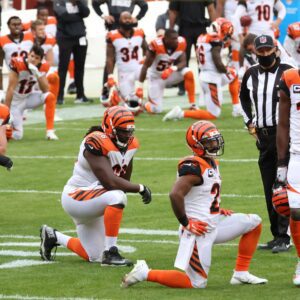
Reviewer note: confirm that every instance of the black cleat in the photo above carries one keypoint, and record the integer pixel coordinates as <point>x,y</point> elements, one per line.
<point>112,257</point>
<point>281,246</point>
<point>48,242</point>
<point>72,88</point>
<point>269,245</point>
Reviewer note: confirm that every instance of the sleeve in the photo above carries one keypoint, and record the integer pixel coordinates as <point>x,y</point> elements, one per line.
<point>283,86</point>
<point>245,99</point>
<point>93,145</point>
<point>216,43</point>
<point>108,38</point>
<point>62,14</point>
<point>96,6</point>
<point>160,24</point>
<point>189,167</point>
<point>84,11</point>
<point>280,9</point>
<point>143,9</point>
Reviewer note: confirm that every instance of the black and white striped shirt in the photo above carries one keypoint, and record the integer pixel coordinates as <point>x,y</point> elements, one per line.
<point>259,94</point>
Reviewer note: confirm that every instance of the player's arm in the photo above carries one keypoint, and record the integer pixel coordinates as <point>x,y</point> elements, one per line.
<point>212,11</point>
<point>241,10</point>
<point>281,13</point>
<point>173,13</point>
<point>110,57</point>
<point>216,56</point>
<point>13,79</point>
<point>43,83</point>
<point>220,8</point>
<point>144,46</point>
<point>143,5</point>
<point>150,56</point>
<point>50,57</point>
<point>1,67</point>
<point>181,62</point>
<point>3,140</point>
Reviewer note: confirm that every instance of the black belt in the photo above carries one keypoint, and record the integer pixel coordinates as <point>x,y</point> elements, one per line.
<point>267,130</point>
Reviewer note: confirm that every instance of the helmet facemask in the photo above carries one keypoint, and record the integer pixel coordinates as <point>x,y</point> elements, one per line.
<point>213,146</point>
<point>123,136</point>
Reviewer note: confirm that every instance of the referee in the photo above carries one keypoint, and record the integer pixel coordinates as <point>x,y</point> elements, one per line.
<point>259,100</point>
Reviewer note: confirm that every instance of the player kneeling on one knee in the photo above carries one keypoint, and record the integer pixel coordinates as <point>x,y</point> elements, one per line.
<point>94,197</point>
<point>195,199</point>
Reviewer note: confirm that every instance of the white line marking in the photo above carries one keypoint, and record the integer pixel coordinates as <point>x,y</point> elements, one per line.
<point>225,160</point>
<point>19,297</point>
<point>137,195</point>
<point>20,263</point>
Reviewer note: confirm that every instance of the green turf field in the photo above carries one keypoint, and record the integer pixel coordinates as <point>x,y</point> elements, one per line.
<point>30,196</point>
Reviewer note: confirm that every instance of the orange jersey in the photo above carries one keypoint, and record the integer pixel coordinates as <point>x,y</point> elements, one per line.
<point>47,44</point>
<point>50,27</point>
<point>202,201</point>
<point>14,48</point>
<point>164,58</point>
<point>127,50</point>
<point>26,79</point>
<point>99,144</point>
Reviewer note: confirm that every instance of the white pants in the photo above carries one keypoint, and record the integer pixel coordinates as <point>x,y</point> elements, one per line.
<point>87,213</point>
<point>18,105</point>
<point>228,228</point>
<point>127,81</point>
<point>293,179</point>
<point>156,86</point>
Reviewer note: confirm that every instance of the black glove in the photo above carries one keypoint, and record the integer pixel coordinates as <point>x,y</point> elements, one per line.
<point>6,162</point>
<point>146,195</point>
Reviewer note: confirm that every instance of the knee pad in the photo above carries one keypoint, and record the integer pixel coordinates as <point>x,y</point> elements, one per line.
<point>120,197</point>
<point>187,72</point>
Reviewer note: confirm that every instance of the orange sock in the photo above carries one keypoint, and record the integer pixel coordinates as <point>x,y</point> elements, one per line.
<point>295,233</point>
<point>71,69</point>
<point>75,246</point>
<point>247,247</point>
<point>50,103</point>
<point>170,278</point>
<point>53,81</point>
<point>234,91</point>
<point>198,114</point>
<point>189,85</point>
<point>112,220</point>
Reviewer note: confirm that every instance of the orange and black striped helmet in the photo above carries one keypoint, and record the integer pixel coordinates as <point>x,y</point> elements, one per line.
<point>118,124</point>
<point>4,114</point>
<point>280,201</point>
<point>204,139</point>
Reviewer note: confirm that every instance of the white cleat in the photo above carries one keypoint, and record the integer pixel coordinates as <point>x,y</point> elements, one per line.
<point>296,279</point>
<point>174,114</point>
<point>236,110</point>
<point>51,136</point>
<point>246,278</point>
<point>137,274</point>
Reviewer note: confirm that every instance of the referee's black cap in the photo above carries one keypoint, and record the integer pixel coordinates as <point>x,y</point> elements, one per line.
<point>264,41</point>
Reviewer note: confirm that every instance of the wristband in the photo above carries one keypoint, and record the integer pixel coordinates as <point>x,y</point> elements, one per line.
<point>184,221</point>
<point>140,84</point>
<point>174,68</point>
<point>110,76</point>
<point>142,188</point>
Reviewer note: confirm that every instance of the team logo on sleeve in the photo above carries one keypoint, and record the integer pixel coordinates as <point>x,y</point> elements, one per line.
<point>296,88</point>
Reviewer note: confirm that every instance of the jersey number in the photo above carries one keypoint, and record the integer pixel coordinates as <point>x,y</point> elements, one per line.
<point>162,65</point>
<point>119,171</point>
<point>264,12</point>
<point>21,54</point>
<point>201,55</point>
<point>127,55</point>
<point>25,86</point>
<point>215,191</point>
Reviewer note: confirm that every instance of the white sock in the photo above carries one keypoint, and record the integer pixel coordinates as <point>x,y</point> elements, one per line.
<point>110,241</point>
<point>240,273</point>
<point>62,239</point>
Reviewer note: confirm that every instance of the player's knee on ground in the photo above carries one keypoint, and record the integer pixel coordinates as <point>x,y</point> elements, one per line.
<point>154,109</point>
<point>17,134</point>
<point>199,283</point>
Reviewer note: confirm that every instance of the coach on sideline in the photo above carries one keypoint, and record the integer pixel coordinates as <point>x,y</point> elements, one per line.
<point>259,92</point>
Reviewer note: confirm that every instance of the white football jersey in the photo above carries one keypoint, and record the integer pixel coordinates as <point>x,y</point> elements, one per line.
<point>203,201</point>
<point>100,144</point>
<point>127,50</point>
<point>292,41</point>
<point>230,7</point>
<point>163,57</point>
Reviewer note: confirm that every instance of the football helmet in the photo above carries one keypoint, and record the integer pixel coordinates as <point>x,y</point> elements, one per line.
<point>4,114</point>
<point>134,104</point>
<point>280,200</point>
<point>118,124</point>
<point>222,27</point>
<point>204,139</point>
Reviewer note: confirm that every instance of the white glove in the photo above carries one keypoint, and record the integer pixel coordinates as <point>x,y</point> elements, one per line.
<point>281,174</point>
<point>35,71</point>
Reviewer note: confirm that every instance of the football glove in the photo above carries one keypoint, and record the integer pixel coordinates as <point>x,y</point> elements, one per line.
<point>110,81</point>
<point>226,212</point>
<point>166,73</point>
<point>35,71</point>
<point>6,162</point>
<point>145,192</point>
<point>197,227</point>
<point>281,176</point>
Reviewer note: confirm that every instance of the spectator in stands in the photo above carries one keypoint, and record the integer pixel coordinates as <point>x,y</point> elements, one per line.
<point>111,21</point>
<point>192,23</point>
<point>71,38</point>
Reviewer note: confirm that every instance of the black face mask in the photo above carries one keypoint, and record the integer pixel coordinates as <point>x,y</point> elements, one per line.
<point>127,26</point>
<point>266,61</point>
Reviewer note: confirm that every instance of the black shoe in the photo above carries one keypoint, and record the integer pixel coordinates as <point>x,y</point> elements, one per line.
<point>48,242</point>
<point>281,246</point>
<point>84,99</point>
<point>60,101</point>
<point>268,246</point>
<point>181,92</point>
<point>112,257</point>
<point>72,88</point>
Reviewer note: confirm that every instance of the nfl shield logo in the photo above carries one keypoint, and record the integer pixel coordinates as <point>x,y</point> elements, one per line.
<point>263,39</point>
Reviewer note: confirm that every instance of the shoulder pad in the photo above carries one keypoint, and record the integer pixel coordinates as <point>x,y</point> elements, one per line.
<point>134,144</point>
<point>98,143</point>
<point>192,165</point>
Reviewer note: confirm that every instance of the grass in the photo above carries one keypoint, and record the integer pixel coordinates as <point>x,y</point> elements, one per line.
<point>23,213</point>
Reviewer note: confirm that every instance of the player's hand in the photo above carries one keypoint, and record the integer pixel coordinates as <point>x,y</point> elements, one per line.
<point>139,92</point>
<point>166,73</point>
<point>110,81</point>
<point>34,70</point>
<point>145,192</point>
<point>109,19</point>
<point>6,162</point>
<point>281,175</point>
<point>226,212</point>
<point>8,131</point>
<point>197,227</point>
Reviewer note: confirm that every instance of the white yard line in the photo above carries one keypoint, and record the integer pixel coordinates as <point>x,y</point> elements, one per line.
<point>21,263</point>
<point>27,297</point>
